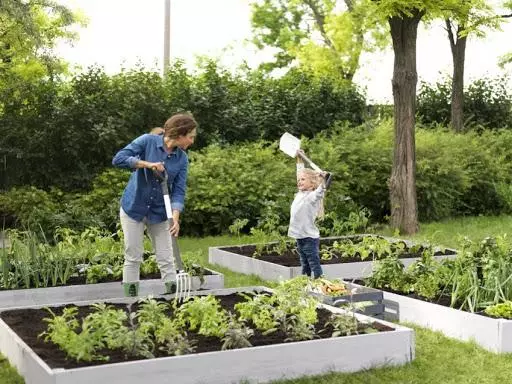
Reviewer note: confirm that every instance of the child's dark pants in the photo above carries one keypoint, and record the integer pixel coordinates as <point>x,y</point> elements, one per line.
<point>309,252</point>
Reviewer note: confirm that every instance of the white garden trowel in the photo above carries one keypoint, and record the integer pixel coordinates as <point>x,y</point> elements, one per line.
<point>290,145</point>
<point>183,278</point>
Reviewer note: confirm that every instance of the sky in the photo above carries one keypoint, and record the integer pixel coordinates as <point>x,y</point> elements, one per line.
<point>122,33</point>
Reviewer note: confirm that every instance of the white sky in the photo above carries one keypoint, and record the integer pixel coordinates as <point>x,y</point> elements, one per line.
<point>121,33</point>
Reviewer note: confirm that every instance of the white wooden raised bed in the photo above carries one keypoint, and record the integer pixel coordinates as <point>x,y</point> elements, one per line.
<point>275,272</point>
<point>492,334</point>
<point>72,293</point>
<point>255,364</point>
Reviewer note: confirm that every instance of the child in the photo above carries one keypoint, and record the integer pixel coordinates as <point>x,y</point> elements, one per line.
<point>306,207</point>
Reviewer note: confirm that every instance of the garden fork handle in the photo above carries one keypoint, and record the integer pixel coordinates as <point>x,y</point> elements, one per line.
<point>168,211</point>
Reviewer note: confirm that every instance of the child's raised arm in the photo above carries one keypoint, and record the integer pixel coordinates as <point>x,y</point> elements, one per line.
<point>300,162</point>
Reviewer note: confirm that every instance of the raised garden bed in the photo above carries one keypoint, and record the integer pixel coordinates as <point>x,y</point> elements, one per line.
<point>269,358</point>
<point>283,266</point>
<point>493,334</point>
<point>98,291</point>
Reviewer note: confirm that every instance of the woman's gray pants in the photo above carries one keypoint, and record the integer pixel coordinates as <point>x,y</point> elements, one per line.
<point>134,247</point>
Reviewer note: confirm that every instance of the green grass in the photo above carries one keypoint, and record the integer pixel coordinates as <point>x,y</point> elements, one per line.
<point>8,375</point>
<point>439,360</point>
<point>448,232</point>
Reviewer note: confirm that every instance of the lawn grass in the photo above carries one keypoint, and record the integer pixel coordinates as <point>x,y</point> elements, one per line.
<point>439,360</point>
<point>8,375</point>
<point>448,232</point>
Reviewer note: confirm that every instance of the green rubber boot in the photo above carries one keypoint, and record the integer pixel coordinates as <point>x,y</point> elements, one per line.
<point>131,289</point>
<point>170,287</point>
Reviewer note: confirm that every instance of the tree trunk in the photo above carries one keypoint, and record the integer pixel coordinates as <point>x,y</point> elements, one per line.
<point>402,184</point>
<point>458,48</point>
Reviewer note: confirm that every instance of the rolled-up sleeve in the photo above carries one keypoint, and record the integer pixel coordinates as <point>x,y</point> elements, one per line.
<point>129,155</point>
<point>179,188</point>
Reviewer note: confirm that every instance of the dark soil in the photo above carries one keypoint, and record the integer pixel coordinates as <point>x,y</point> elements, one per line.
<point>28,324</point>
<point>290,258</point>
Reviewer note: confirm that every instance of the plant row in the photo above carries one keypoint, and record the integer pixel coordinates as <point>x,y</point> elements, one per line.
<point>158,328</point>
<point>478,279</point>
<point>89,257</point>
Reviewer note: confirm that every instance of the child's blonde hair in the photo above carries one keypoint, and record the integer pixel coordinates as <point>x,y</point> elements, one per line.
<point>316,179</point>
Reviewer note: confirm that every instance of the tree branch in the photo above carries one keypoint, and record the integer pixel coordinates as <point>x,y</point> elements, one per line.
<point>451,37</point>
<point>320,21</point>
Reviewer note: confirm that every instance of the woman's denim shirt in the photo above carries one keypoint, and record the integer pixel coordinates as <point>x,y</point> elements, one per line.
<point>143,196</point>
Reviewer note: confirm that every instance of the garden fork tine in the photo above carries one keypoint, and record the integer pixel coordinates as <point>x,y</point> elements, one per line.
<point>183,278</point>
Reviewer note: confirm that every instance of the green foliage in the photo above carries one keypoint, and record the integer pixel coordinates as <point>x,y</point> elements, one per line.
<point>293,29</point>
<point>487,103</point>
<point>363,247</point>
<point>389,273</point>
<point>232,183</point>
<point>101,329</point>
<point>343,325</point>
<point>204,315</point>
<point>254,183</point>
<point>501,310</point>
<point>42,123</point>
<point>259,310</point>
<point>174,339</point>
<point>237,335</point>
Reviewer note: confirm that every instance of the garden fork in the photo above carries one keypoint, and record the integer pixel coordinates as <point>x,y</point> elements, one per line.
<point>183,278</point>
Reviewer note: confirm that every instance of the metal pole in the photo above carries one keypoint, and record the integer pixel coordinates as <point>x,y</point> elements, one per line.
<point>167,34</point>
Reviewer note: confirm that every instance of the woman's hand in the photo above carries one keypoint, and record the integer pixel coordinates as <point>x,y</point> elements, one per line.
<point>175,229</point>
<point>156,166</point>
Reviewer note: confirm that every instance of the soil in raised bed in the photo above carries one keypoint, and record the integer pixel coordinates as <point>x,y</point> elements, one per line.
<point>28,324</point>
<point>290,258</point>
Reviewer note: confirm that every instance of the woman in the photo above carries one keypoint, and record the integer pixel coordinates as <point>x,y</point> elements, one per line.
<point>142,203</point>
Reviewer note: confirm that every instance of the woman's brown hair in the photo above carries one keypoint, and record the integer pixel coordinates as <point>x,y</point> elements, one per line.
<point>178,125</point>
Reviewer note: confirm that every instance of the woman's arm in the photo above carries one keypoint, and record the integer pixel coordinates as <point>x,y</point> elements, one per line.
<point>130,156</point>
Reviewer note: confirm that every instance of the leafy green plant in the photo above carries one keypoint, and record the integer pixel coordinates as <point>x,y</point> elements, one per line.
<point>97,272</point>
<point>343,325</point>
<point>425,279</point>
<point>192,264</point>
<point>149,266</point>
<point>389,273</point>
<point>237,334</point>
<point>100,329</point>
<point>500,310</point>
<point>259,310</point>
<point>173,338</point>
<point>137,340</point>
<point>298,329</point>
<point>204,314</point>
<point>237,226</point>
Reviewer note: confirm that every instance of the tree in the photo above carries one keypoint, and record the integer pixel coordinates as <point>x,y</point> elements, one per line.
<point>470,17</point>
<point>318,34</point>
<point>28,31</point>
<point>404,17</point>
